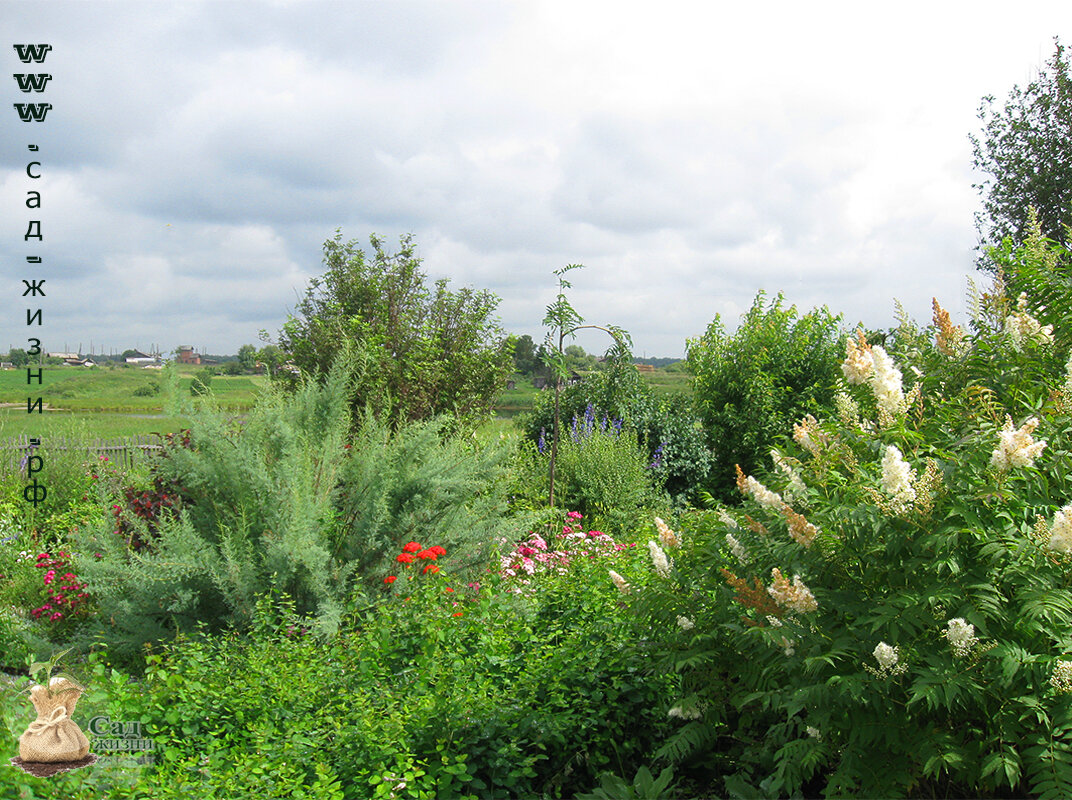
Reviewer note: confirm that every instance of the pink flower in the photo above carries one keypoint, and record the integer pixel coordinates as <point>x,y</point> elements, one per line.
<point>57,615</point>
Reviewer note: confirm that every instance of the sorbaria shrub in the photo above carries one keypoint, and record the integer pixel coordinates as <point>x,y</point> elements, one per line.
<point>751,385</point>
<point>889,612</point>
<point>287,499</point>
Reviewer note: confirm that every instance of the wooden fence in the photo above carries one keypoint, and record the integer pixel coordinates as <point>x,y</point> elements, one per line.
<point>121,451</point>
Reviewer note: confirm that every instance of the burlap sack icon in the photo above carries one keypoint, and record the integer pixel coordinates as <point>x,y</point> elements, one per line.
<point>54,736</point>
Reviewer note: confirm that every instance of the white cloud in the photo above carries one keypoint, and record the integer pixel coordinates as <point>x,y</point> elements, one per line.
<point>199,154</point>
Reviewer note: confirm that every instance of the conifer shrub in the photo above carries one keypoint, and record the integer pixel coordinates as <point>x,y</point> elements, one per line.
<point>889,612</point>
<point>286,499</point>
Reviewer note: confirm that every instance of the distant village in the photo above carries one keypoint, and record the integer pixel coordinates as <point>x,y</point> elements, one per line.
<point>270,359</point>
<point>185,354</point>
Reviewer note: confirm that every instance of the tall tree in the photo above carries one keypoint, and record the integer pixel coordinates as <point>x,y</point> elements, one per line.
<point>420,350</point>
<point>524,354</point>
<point>1025,149</point>
<point>247,357</point>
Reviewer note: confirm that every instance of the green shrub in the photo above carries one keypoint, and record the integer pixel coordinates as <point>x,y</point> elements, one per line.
<point>897,620</point>
<point>666,427</point>
<point>602,472</point>
<point>72,481</point>
<point>752,385</point>
<point>422,350</point>
<point>444,690</point>
<point>285,501</point>
<point>200,386</point>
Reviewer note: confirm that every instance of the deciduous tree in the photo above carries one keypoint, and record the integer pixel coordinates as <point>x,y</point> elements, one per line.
<point>421,350</point>
<point>1025,150</point>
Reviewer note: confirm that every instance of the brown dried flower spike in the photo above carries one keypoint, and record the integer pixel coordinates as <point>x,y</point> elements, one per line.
<point>754,596</point>
<point>949,336</point>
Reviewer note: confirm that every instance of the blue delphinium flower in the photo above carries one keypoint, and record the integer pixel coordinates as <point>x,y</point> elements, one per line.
<point>657,460</point>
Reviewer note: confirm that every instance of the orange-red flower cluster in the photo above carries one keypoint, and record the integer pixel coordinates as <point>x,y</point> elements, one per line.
<point>413,551</point>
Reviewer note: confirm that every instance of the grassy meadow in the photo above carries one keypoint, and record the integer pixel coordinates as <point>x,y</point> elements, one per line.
<point>103,402</point>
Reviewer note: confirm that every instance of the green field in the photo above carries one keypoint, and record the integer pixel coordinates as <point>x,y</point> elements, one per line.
<point>84,424</point>
<point>101,401</point>
<point>105,389</point>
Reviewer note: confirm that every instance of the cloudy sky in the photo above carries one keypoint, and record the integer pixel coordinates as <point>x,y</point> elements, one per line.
<point>688,153</point>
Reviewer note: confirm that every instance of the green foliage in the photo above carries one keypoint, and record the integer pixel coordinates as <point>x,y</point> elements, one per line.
<point>1040,268</point>
<point>202,382</point>
<point>932,663</point>
<point>285,501</point>
<point>752,385</point>
<point>420,351</point>
<point>602,472</point>
<point>18,357</point>
<point>613,391</point>
<point>72,479</point>
<point>563,321</point>
<point>666,426</point>
<point>475,692</point>
<point>643,787</point>
<point>247,357</point>
<point>271,357</point>
<point>524,355</point>
<point>1025,149</point>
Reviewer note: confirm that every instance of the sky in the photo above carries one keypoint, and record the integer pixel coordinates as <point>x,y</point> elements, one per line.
<point>689,154</point>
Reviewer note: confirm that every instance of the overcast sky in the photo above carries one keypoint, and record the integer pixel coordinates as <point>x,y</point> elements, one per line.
<point>689,154</point>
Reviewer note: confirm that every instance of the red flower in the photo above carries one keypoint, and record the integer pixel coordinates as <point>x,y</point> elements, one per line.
<point>448,589</point>
<point>439,551</point>
<point>457,613</point>
<point>427,555</point>
<point>430,568</point>
<point>412,547</point>
<point>405,558</point>
<point>390,579</point>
